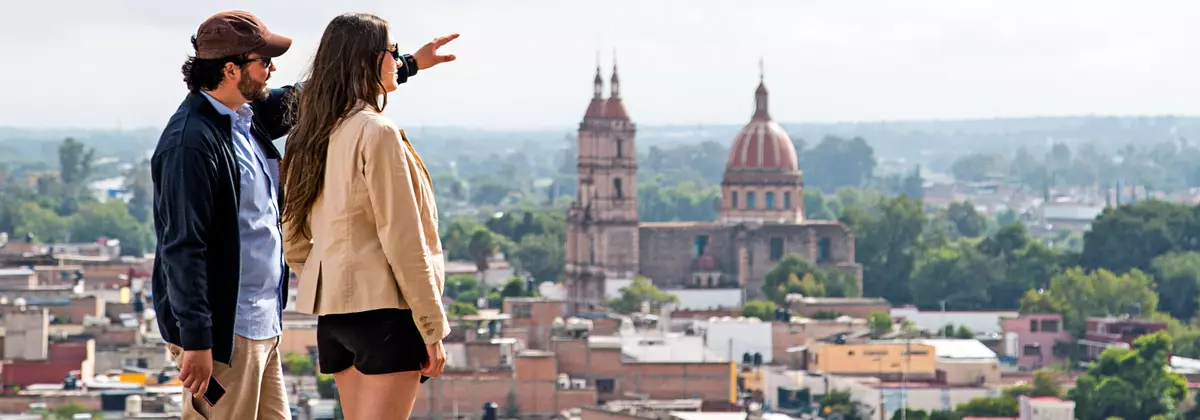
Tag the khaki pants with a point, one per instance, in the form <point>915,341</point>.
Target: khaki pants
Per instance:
<point>254,388</point>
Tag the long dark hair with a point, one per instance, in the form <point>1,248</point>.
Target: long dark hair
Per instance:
<point>346,69</point>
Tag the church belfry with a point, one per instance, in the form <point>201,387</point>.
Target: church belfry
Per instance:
<point>602,222</point>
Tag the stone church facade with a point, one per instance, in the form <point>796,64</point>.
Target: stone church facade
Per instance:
<point>761,218</point>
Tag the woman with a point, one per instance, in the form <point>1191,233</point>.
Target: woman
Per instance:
<point>361,223</point>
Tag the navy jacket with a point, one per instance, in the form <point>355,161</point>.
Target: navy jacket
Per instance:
<point>196,184</point>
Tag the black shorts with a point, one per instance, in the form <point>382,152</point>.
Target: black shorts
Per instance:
<point>375,342</point>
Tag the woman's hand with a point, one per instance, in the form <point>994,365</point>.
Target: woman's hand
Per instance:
<point>437,360</point>
<point>428,55</point>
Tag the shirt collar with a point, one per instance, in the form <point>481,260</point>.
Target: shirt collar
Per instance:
<point>245,112</point>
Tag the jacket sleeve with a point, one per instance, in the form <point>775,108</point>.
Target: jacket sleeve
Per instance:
<point>295,251</point>
<point>184,202</point>
<point>397,216</point>
<point>274,112</point>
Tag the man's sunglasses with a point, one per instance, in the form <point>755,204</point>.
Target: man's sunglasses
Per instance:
<point>265,60</point>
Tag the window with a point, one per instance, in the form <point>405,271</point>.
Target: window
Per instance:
<point>1031,350</point>
<point>770,200</point>
<point>787,200</point>
<point>733,200</point>
<point>750,200</point>
<point>1033,325</point>
<point>712,282</point>
<point>875,353</point>
<point>617,187</point>
<point>823,251</point>
<point>776,249</point>
<point>606,386</point>
<point>522,310</point>
<point>1050,325</point>
<point>619,148</point>
<point>915,353</point>
<point>592,255</point>
<point>698,245</point>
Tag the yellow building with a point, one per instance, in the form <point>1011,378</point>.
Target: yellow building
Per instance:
<point>876,359</point>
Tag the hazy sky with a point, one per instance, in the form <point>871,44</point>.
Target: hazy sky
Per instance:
<point>529,64</point>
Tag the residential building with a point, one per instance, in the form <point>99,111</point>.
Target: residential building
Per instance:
<point>1032,339</point>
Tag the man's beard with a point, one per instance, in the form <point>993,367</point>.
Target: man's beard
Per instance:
<point>252,90</point>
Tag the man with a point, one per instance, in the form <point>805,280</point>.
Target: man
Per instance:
<point>219,277</point>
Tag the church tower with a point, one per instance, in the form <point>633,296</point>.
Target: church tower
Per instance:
<point>602,223</point>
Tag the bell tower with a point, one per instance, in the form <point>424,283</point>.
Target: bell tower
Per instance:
<point>602,222</point>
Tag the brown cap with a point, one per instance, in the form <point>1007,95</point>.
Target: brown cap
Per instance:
<point>234,32</point>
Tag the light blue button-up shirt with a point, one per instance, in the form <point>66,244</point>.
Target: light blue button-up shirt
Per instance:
<point>258,305</point>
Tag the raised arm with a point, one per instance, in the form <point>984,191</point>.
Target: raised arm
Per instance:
<point>183,204</point>
<point>390,187</point>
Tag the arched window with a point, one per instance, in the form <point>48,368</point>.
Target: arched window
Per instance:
<point>770,201</point>
<point>750,200</point>
<point>787,200</point>
<point>617,187</point>
<point>733,202</point>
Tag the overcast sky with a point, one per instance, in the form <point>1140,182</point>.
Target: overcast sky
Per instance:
<point>529,64</point>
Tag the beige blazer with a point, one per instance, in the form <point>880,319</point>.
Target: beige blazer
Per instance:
<point>374,230</point>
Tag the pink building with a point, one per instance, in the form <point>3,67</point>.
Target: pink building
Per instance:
<point>1031,339</point>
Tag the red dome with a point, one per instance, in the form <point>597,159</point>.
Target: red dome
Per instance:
<point>762,145</point>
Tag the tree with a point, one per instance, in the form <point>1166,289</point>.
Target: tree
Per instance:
<point>887,244</point>
<point>141,187</point>
<point>1178,283</point>
<point>68,412</point>
<point>111,219</point>
<point>482,245</point>
<point>75,163</point>
<point>512,409</point>
<point>1079,295</point>
<point>1002,406</point>
<point>966,221</point>
<point>1046,383</point>
<point>938,277</point>
<point>542,255</point>
<point>461,309</point>
<point>298,364</point>
<point>1132,236</point>
<point>880,322</point>
<point>326,387</point>
<point>46,225</point>
<point>761,309</point>
<point>839,401</point>
<point>641,290</point>
<point>1130,383</point>
<point>515,287</point>
<point>794,274</point>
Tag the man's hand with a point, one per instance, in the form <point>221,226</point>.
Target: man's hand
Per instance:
<point>197,368</point>
<point>428,55</point>
<point>436,362</point>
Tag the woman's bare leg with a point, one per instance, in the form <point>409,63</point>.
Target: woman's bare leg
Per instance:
<point>388,396</point>
<point>349,383</point>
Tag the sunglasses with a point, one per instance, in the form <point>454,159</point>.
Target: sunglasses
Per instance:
<point>265,60</point>
<point>395,50</point>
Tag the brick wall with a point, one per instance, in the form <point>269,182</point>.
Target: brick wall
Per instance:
<point>667,250</point>
<point>533,380</point>
<point>708,381</point>
<point>536,316</point>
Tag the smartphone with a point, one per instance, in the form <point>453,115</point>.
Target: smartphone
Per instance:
<point>214,392</point>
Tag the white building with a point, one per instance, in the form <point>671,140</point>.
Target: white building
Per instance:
<point>736,337</point>
<point>1046,408</point>
<point>979,322</point>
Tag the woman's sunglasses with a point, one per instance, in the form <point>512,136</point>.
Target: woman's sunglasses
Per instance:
<point>395,52</point>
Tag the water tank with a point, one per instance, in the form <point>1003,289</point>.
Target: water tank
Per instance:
<point>133,405</point>
<point>489,411</point>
